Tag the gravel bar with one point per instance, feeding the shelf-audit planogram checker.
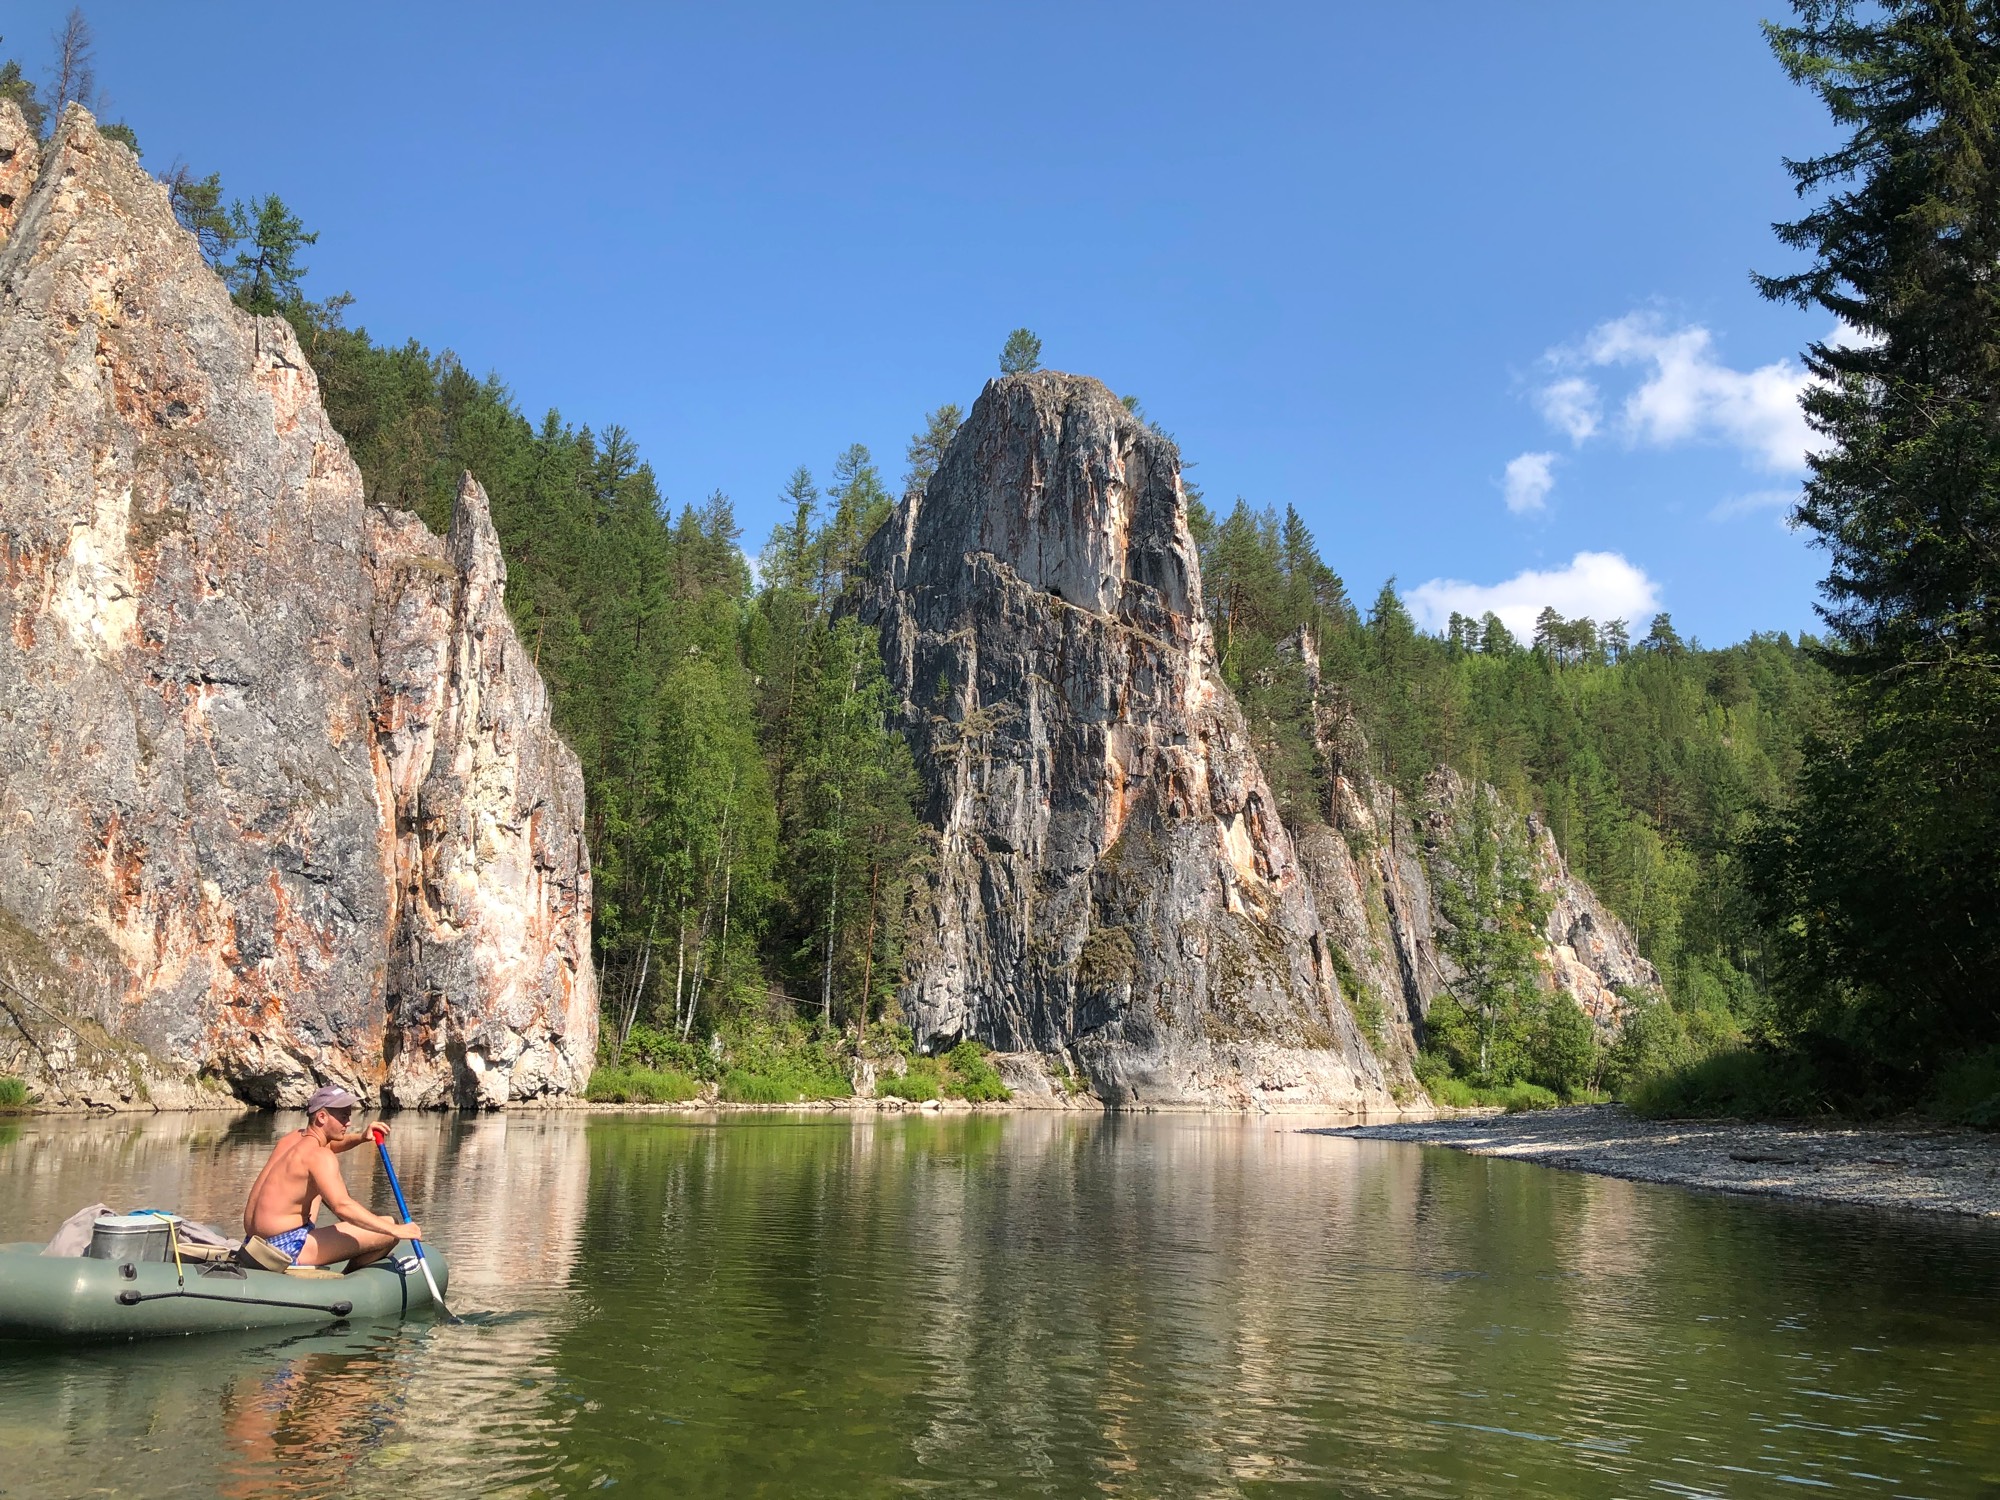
(1930, 1168)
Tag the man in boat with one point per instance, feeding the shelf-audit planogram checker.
(301, 1175)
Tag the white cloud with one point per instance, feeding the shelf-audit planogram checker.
(1571, 405)
(1752, 503)
(1686, 395)
(1529, 480)
(1602, 585)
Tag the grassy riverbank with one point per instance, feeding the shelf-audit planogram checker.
(765, 1062)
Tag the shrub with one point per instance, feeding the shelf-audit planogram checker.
(1453, 1092)
(1738, 1081)
(740, 1086)
(659, 1047)
(1967, 1092)
(968, 1075)
(639, 1086)
(13, 1093)
(923, 1082)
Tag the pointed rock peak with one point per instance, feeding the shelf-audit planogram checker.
(473, 543)
(20, 157)
(1052, 474)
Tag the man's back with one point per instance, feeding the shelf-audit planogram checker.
(282, 1197)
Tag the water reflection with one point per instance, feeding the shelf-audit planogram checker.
(1036, 1305)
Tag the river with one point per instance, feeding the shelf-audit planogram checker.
(1022, 1304)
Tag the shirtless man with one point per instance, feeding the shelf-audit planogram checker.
(302, 1174)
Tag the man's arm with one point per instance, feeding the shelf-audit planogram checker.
(354, 1138)
(332, 1187)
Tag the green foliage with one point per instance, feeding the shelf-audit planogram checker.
(264, 278)
(622, 1085)
(663, 1049)
(927, 448)
(1493, 909)
(780, 1062)
(962, 1073)
(1878, 882)
(922, 1081)
(1107, 959)
(13, 1093)
(1967, 1091)
(968, 1075)
(197, 204)
(1021, 353)
(1453, 1092)
(1736, 1082)
(17, 88)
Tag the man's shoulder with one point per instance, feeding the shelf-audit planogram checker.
(301, 1147)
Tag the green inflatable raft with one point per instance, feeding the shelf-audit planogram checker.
(77, 1298)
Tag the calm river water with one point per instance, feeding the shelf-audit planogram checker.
(1027, 1305)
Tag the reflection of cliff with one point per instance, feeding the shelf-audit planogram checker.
(283, 804)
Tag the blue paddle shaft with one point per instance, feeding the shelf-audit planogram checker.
(397, 1188)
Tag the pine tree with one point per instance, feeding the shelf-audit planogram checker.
(15, 87)
(927, 448)
(1494, 910)
(266, 276)
(1021, 353)
(1883, 875)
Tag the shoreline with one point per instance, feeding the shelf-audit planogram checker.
(1085, 1104)
(1915, 1168)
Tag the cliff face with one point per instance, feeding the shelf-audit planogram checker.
(1114, 887)
(281, 804)
(1113, 884)
(1369, 857)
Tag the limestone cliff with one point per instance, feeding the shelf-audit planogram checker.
(281, 803)
(1113, 885)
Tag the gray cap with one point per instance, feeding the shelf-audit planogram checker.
(328, 1096)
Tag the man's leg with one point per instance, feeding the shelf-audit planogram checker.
(349, 1242)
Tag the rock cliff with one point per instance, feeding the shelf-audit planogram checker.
(1114, 887)
(282, 803)
(1113, 884)
(1368, 857)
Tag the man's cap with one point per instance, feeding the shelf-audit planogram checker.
(328, 1096)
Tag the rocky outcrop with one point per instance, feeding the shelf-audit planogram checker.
(1113, 889)
(1112, 882)
(282, 804)
(1372, 863)
(20, 155)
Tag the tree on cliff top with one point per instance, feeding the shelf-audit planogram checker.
(17, 88)
(1881, 879)
(1021, 353)
(265, 277)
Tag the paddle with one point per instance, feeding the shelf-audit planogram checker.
(403, 1208)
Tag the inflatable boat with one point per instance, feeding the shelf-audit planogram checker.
(79, 1298)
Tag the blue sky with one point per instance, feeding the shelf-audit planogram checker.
(1467, 284)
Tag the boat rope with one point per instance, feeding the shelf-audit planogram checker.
(180, 1271)
(133, 1299)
